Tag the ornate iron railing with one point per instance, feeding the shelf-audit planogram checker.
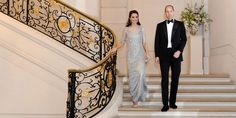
(64, 24)
(91, 91)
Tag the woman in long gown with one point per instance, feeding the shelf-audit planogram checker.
(134, 35)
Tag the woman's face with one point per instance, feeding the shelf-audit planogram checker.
(134, 18)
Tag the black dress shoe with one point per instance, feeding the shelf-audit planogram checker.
(173, 106)
(165, 108)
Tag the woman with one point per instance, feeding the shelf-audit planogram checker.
(137, 55)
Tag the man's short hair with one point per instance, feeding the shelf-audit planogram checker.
(170, 6)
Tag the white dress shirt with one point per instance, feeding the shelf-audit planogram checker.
(169, 33)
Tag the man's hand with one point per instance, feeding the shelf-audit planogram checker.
(177, 54)
(157, 60)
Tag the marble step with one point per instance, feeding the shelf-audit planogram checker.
(185, 75)
(205, 87)
(183, 111)
(176, 115)
(190, 95)
(158, 79)
(188, 82)
(194, 99)
(192, 90)
(127, 111)
(186, 104)
(158, 82)
(180, 108)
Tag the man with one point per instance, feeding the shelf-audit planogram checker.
(170, 41)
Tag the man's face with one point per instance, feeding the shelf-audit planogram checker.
(169, 12)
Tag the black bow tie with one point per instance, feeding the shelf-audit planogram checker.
(168, 21)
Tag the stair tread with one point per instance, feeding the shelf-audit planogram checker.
(182, 109)
(158, 79)
(189, 83)
(183, 104)
(186, 75)
(192, 91)
(196, 99)
(190, 95)
(204, 87)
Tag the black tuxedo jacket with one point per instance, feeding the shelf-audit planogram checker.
(178, 39)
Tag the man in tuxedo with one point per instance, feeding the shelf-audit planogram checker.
(170, 41)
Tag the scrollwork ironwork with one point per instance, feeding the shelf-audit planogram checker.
(4, 6)
(64, 24)
(88, 92)
(18, 10)
(94, 89)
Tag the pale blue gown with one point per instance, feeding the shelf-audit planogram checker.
(136, 63)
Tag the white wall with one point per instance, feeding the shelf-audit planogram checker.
(222, 33)
(90, 7)
(115, 13)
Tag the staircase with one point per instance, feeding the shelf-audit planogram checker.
(50, 49)
(198, 96)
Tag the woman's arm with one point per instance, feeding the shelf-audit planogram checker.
(145, 46)
(122, 42)
(118, 45)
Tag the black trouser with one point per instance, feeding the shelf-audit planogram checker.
(175, 65)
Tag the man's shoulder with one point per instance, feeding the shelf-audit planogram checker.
(177, 21)
(161, 23)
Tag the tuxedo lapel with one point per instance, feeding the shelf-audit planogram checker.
(174, 29)
(165, 30)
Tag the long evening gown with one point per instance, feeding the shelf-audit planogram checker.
(136, 63)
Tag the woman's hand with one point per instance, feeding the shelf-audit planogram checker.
(147, 57)
(113, 50)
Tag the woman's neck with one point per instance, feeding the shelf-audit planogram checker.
(134, 25)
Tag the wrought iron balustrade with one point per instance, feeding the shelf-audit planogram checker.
(64, 24)
(91, 91)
